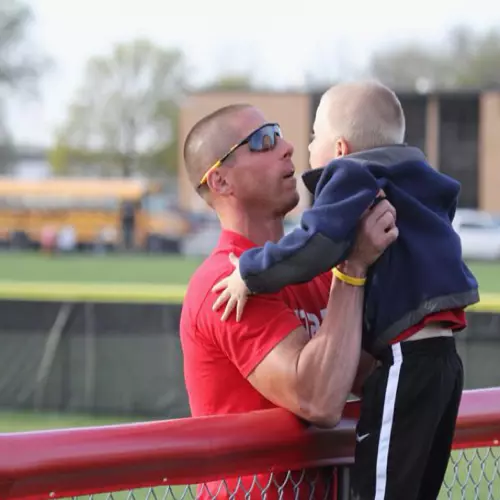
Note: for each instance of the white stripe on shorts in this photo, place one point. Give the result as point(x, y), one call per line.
point(387, 419)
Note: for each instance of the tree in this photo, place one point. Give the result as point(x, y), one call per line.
point(231, 82)
point(123, 119)
point(402, 68)
point(6, 146)
point(476, 58)
point(21, 66)
point(466, 60)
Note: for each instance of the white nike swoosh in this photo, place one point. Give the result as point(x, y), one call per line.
point(362, 437)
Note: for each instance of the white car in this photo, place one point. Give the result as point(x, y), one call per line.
point(202, 242)
point(480, 234)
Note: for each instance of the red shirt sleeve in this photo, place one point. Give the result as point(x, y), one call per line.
point(265, 322)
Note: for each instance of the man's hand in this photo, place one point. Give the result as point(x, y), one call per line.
point(377, 230)
point(235, 292)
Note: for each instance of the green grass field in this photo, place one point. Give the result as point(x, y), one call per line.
point(140, 278)
point(151, 269)
point(132, 278)
point(33, 421)
point(142, 269)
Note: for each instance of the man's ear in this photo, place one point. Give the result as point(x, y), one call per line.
point(217, 182)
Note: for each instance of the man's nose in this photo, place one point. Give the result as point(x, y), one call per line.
point(288, 148)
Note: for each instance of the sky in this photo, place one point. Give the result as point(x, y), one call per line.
point(278, 43)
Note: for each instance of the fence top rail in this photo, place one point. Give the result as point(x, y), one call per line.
point(93, 292)
point(66, 462)
point(137, 293)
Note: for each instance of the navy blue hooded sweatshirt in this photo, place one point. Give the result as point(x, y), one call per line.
point(419, 274)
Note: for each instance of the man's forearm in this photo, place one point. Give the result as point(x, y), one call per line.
point(367, 365)
point(327, 365)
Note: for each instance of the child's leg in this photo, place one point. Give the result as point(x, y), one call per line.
point(439, 456)
point(404, 402)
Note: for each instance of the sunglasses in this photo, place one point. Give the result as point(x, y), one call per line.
point(260, 140)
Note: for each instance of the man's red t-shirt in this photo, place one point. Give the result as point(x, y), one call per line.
point(219, 356)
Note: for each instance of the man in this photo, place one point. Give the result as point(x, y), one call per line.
point(298, 349)
point(415, 293)
point(128, 220)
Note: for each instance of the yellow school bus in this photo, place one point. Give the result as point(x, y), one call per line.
point(92, 207)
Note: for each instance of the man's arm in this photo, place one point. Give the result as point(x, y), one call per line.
point(313, 378)
point(324, 237)
point(367, 364)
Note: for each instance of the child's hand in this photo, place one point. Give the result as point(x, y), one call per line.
point(235, 292)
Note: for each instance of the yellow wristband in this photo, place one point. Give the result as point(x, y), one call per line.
point(350, 280)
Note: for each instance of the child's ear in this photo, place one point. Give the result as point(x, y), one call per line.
point(342, 147)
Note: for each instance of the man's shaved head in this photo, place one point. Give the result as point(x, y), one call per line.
point(365, 114)
point(209, 139)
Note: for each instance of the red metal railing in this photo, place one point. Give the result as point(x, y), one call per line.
point(74, 462)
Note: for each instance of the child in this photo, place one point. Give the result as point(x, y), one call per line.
point(417, 290)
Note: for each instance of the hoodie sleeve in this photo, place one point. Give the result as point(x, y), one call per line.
point(324, 237)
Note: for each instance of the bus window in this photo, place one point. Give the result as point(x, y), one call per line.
point(154, 203)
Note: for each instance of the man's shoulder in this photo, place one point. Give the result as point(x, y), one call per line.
point(197, 299)
point(215, 267)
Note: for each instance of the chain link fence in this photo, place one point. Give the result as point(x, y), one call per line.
point(115, 359)
point(299, 485)
point(125, 359)
point(473, 474)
